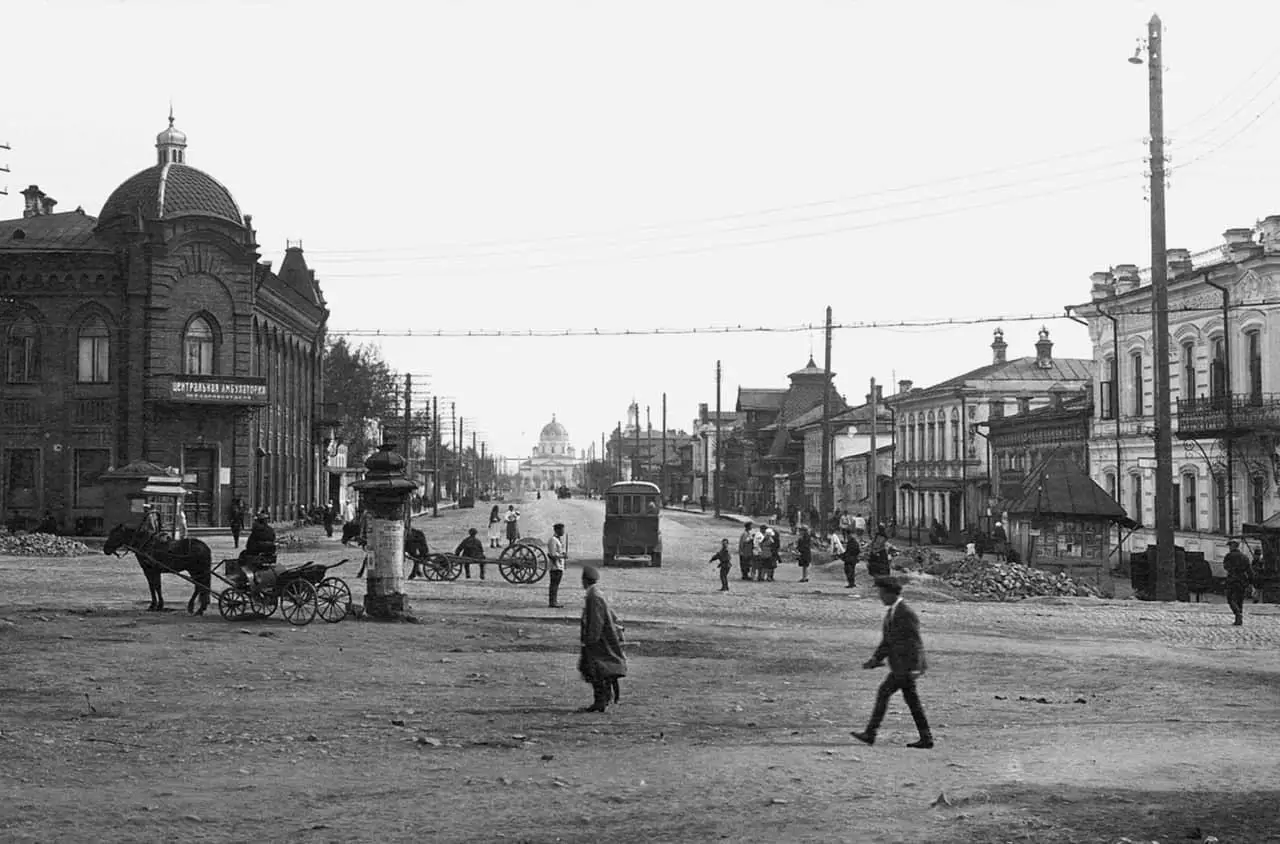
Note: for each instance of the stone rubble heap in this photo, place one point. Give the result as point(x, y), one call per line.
point(41, 545)
point(989, 578)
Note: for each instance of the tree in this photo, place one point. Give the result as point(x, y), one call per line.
point(359, 388)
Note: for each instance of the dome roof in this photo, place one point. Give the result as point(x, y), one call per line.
point(172, 136)
point(172, 190)
point(553, 430)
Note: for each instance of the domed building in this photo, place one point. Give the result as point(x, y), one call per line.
point(154, 332)
point(553, 462)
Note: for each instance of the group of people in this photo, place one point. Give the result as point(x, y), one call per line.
point(759, 553)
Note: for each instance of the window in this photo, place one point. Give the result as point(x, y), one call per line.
point(198, 348)
point(22, 346)
point(1188, 370)
point(94, 353)
point(1220, 504)
point(1253, 345)
point(1218, 370)
point(932, 453)
point(1107, 390)
point(1257, 497)
point(90, 464)
point(1110, 483)
point(1136, 366)
point(1135, 484)
point(955, 437)
point(1188, 502)
point(1177, 505)
point(20, 478)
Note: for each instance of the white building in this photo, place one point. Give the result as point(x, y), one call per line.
point(553, 463)
point(1224, 304)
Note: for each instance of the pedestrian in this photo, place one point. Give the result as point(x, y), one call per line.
point(850, 560)
point(726, 562)
point(601, 661)
point(860, 526)
point(804, 554)
point(260, 547)
point(513, 524)
point(1258, 568)
point(470, 549)
point(327, 516)
point(495, 528)
point(556, 554)
point(235, 519)
point(900, 643)
point(878, 555)
point(793, 516)
point(746, 548)
point(769, 548)
point(180, 531)
point(1238, 579)
point(416, 549)
point(999, 542)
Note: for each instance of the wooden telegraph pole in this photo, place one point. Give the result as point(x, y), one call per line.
point(825, 505)
point(717, 486)
point(873, 466)
point(435, 457)
point(662, 479)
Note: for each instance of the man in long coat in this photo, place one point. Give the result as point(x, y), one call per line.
point(601, 662)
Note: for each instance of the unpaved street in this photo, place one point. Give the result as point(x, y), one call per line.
point(1056, 719)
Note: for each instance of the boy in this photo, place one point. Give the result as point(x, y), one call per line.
point(726, 562)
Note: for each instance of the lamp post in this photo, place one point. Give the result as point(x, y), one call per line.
point(1165, 589)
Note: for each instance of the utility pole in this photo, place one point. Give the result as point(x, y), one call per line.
point(453, 440)
point(408, 421)
point(435, 459)
point(604, 453)
point(648, 442)
point(475, 466)
point(483, 464)
point(717, 487)
point(873, 467)
point(618, 456)
point(825, 505)
point(1165, 588)
point(662, 479)
point(461, 463)
point(635, 457)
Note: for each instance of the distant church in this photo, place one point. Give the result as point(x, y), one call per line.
point(553, 462)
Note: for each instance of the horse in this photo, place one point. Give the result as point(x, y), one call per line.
point(156, 556)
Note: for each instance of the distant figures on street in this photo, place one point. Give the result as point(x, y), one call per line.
point(725, 561)
point(513, 524)
point(557, 554)
point(496, 526)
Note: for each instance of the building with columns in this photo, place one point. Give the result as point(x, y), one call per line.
point(1224, 344)
point(942, 465)
point(154, 332)
point(553, 462)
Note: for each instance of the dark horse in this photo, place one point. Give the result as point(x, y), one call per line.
point(156, 556)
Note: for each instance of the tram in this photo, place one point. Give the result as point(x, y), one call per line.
point(633, 524)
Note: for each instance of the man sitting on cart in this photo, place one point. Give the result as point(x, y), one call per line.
point(471, 549)
point(260, 549)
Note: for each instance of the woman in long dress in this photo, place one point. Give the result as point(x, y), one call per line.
point(513, 524)
point(495, 528)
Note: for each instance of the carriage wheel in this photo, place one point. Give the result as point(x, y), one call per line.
point(298, 602)
point(262, 604)
point(233, 603)
point(333, 599)
point(453, 569)
point(430, 566)
point(518, 563)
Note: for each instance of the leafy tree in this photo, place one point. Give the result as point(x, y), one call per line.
point(359, 388)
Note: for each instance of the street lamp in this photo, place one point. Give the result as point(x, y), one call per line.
point(1164, 587)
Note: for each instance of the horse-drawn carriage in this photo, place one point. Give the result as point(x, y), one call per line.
point(256, 588)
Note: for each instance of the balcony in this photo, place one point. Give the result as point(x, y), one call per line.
point(1228, 415)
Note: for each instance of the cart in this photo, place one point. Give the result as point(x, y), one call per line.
point(523, 561)
point(256, 589)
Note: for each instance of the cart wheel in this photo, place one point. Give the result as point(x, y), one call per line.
point(263, 605)
point(233, 603)
point(333, 599)
point(517, 563)
point(298, 602)
point(540, 562)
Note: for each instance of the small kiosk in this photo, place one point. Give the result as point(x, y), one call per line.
point(131, 487)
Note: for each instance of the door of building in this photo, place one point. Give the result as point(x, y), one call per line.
point(953, 517)
point(200, 469)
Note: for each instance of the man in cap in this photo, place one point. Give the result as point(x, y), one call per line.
point(601, 661)
point(556, 553)
point(470, 549)
point(262, 540)
point(1238, 579)
point(900, 643)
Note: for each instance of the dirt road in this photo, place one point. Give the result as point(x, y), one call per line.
point(1056, 720)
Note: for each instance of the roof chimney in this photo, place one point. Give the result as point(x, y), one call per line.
point(33, 199)
point(702, 412)
point(1104, 285)
point(1269, 234)
point(1179, 261)
point(999, 347)
point(904, 385)
point(1044, 349)
point(1240, 245)
point(1126, 276)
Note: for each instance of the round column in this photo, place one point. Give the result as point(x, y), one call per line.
point(385, 492)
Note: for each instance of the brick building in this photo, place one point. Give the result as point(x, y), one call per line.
point(154, 332)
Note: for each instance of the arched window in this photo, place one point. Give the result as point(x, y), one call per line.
point(1220, 504)
point(197, 348)
point(1253, 347)
point(956, 453)
point(1109, 391)
point(22, 347)
point(1218, 369)
point(1188, 385)
point(1190, 503)
point(94, 353)
point(1110, 481)
point(1135, 361)
point(932, 453)
point(1135, 486)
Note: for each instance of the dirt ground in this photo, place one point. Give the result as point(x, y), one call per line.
point(1057, 720)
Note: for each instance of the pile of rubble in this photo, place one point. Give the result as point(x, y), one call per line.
point(989, 578)
point(41, 545)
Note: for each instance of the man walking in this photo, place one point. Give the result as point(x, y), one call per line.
point(556, 554)
point(601, 661)
point(725, 562)
point(848, 555)
point(900, 643)
point(235, 520)
point(1238, 578)
point(746, 548)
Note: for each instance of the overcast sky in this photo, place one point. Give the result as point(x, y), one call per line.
point(556, 165)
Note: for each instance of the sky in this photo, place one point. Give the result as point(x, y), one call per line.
point(580, 166)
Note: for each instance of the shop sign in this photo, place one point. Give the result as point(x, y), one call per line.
point(252, 391)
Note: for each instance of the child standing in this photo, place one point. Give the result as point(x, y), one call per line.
point(725, 561)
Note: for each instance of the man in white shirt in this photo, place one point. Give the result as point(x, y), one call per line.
point(556, 554)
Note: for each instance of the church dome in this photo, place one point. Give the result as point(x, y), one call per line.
point(553, 431)
point(171, 188)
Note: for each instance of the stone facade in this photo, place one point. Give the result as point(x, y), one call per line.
point(1224, 388)
point(553, 463)
point(154, 332)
